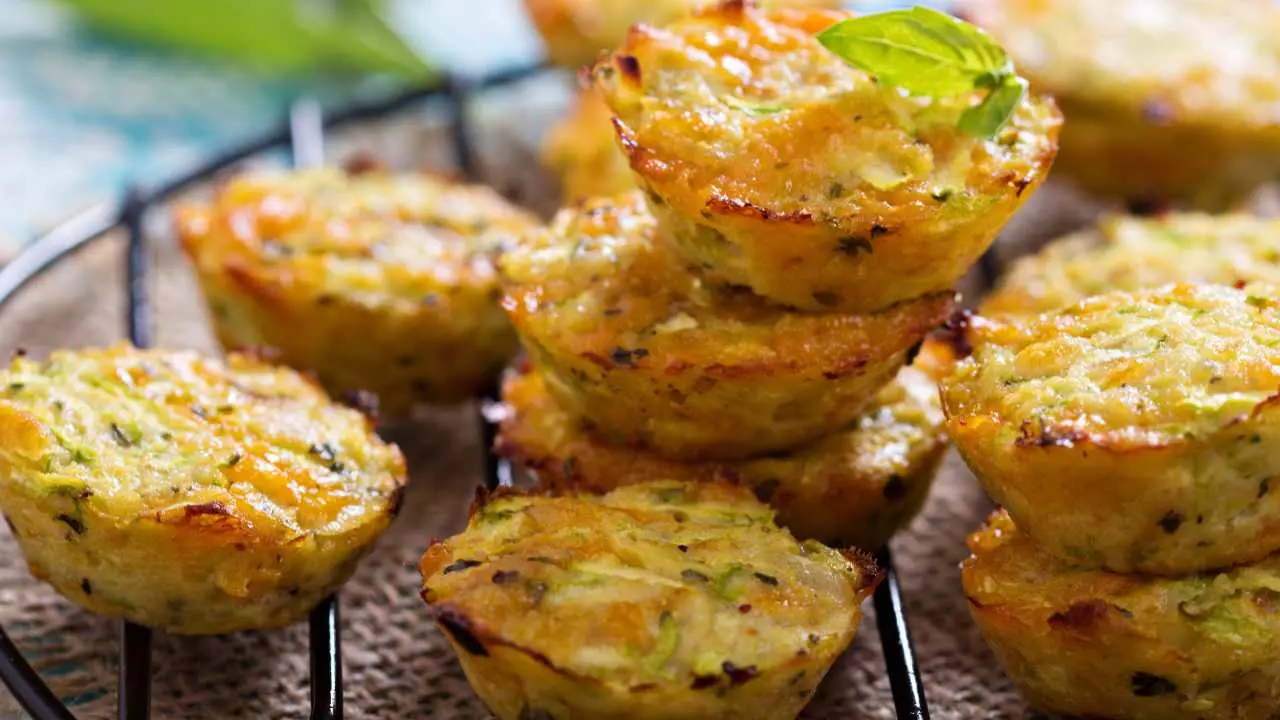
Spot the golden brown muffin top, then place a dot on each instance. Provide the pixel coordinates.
(175, 437)
(1126, 369)
(1212, 62)
(597, 25)
(1132, 253)
(599, 282)
(747, 106)
(399, 241)
(903, 423)
(655, 583)
(1226, 618)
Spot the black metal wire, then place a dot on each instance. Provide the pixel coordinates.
(895, 642)
(990, 268)
(27, 687)
(497, 470)
(134, 683)
(459, 90)
(326, 661)
(306, 145)
(304, 135)
(54, 245)
(134, 687)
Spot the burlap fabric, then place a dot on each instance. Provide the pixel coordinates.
(396, 664)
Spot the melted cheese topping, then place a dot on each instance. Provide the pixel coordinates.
(598, 279)
(1130, 253)
(380, 240)
(751, 105)
(662, 582)
(1143, 367)
(136, 433)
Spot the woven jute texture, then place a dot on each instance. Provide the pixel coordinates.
(396, 664)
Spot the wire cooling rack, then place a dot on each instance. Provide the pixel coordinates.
(303, 136)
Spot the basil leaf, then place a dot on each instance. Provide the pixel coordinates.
(986, 119)
(932, 54)
(921, 50)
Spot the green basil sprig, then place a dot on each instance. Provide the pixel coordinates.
(932, 54)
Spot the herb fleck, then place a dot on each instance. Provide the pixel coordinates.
(324, 451)
(623, 356)
(852, 246)
(827, 298)
(76, 526)
(503, 577)
(693, 576)
(120, 437)
(738, 675)
(895, 488)
(1148, 685)
(459, 565)
(1171, 522)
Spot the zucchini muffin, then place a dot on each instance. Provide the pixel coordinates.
(376, 282)
(1132, 253)
(188, 495)
(1133, 431)
(854, 488)
(1090, 643)
(663, 600)
(1165, 99)
(626, 339)
(772, 164)
(576, 31)
(582, 151)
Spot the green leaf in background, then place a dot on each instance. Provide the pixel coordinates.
(287, 36)
(932, 54)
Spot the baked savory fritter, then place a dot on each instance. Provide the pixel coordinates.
(625, 338)
(1132, 253)
(1165, 99)
(582, 151)
(189, 495)
(854, 488)
(664, 600)
(376, 282)
(773, 164)
(1133, 431)
(1090, 643)
(576, 31)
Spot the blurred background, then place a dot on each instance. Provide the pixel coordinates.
(96, 94)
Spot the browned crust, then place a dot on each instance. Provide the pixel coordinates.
(869, 573)
(471, 636)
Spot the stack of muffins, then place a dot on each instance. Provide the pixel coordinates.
(1133, 439)
(747, 314)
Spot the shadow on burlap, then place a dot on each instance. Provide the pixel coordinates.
(396, 664)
